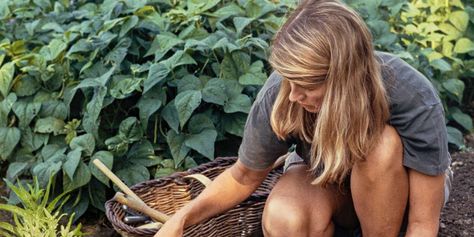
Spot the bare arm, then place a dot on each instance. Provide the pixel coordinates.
(426, 200)
(230, 188)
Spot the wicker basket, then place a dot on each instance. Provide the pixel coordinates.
(170, 193)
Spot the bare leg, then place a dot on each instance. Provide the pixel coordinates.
(379, 187)
(297, 208)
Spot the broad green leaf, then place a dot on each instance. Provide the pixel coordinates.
(459, 19)
(49, 125)
(33, 141)
(131, 129)
(82, 176)
(97, 195)
(193, 33)
(230, 9)
(133, 174)
(55, 47)
(149, 103)
(177, 147)
(198, 6)
(53, 152)
(441, 64)
(45, 170)
(5, 108)
(254, 76)
(234, 123)
(125, 87)
(26, 86)
(31, 26)
(77, 205)
(6, 77)
(178, 59)
(463, 119)
(434, 56)
(15, 169)
(55, 108)
(200, 122)
(129, 24)
(107, 159)
(170, 115)
(162, 44)
(451, 32)
(240, 23)
(4, 10)
(118, 53)
(448, 49)
(91, 122)
(109, 24)
(84, 142)
(203, 142)
(26, 112)
(239, 103)
(464, 45)
(142, 153)
(98, 81)
(257, 9)
(455, 87)
(157, 73)
(186, 102)
(455, 136)
(234, 65)
(189, 163)
(215, 91)
(102, 40)
(9, 138)
(44, 4)
(232, 88)
(82, 45)
(117, 144)
(70, 166)
(163, 172)
(189, 82)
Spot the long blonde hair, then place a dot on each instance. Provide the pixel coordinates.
(327, 42)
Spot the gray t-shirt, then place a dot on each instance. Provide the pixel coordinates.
(416, 113)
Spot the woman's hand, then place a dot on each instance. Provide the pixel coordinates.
(174, 227)
(228, 189)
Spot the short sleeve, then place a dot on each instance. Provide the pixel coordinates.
(418, 115)
(260, 146)
(423, 133)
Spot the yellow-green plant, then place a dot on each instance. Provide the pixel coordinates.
(38, 216)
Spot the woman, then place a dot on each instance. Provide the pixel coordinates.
(371, 143)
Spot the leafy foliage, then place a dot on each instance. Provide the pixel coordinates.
(147, 87)
(151, 87)
(38, 215)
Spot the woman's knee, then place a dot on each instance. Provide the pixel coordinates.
(282, 217)
(385, 158)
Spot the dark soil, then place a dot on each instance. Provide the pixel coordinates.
(457, 218)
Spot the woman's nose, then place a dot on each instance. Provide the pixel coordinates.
(295, 95)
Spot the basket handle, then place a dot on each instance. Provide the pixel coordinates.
(199, 177)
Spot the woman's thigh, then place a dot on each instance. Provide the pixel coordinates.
(298, 204)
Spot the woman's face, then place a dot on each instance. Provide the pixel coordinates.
(310, 97)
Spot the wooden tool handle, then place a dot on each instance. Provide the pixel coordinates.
(143, 208)
(116, 180)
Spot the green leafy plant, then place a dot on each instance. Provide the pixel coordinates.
(38, 215)
(147, 87)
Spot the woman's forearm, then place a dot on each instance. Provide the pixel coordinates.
(230, 188)
(426, 201)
